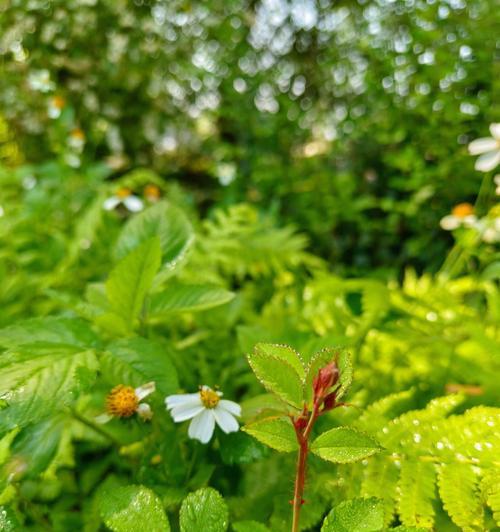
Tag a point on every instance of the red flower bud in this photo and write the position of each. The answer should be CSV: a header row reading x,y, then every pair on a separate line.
x,y
325,379
329,402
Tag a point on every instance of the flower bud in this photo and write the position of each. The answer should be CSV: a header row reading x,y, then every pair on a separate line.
x,y
325,379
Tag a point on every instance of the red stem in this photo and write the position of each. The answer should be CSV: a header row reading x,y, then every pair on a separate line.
x,y
300,475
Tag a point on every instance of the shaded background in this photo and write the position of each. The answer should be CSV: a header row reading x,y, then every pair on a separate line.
x,y
347,119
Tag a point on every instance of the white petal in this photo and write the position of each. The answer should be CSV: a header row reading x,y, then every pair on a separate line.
x,y
144,411
133,203
202,426
103,418
230,406
495,130
450,222
183,412
182,399
471,221
145,390
225,420
482,145
488,161
497,180
111,203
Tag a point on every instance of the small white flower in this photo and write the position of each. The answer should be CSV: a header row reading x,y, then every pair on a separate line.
x,y
205,409
39,80
497,184
488,148
124,197
461,215
125,401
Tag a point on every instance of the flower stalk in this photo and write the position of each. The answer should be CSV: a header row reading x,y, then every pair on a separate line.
x,y
324,399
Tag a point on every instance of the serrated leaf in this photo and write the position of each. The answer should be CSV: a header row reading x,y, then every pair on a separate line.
x,y
136,361
49,333
279,377
164,221
203,511
36,385
355,515
343,445
131,279
276,432
132,508
182,298
283,352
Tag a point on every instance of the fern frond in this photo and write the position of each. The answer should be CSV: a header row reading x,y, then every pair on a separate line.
x,y
458,485
490,488
380,480
416,493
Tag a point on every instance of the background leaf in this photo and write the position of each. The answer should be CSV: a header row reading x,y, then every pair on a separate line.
x,y
204,511
131,279
187,298
131,508
355,515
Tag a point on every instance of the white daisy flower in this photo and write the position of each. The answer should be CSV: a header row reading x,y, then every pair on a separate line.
x,y
125,401
488,148
205,409
124,197
461,215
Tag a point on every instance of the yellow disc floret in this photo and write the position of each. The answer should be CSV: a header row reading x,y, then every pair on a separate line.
x,y
462,210
122,401
209,398
123,192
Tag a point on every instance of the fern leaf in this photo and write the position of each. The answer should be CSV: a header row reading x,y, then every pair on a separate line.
x,y
490,487
381,480
416,493
458,490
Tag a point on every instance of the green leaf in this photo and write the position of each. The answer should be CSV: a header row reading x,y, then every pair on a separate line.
x,y
183,298
164,221
276,432
49,333
355,515
35,385
279,377
131,279
416,493
132,508
249,526
239,448
458,489
204,511
136,361
344,445
8,520
283,352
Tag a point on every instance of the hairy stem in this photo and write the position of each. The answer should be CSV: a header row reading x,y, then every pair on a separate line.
x,y
300,474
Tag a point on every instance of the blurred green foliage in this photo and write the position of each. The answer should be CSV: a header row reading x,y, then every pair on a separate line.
x,y
301,155
348,119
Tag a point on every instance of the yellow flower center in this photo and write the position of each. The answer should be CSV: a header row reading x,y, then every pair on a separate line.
x,y
123,192
209,398
462,210
152,192
58,102
122,401
78,134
